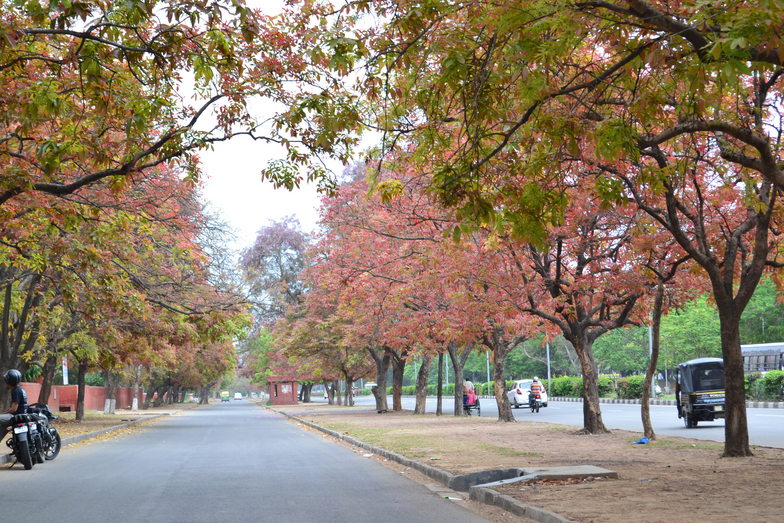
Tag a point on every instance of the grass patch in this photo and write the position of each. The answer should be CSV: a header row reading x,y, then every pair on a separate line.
x,y
401,441
506,451
679,444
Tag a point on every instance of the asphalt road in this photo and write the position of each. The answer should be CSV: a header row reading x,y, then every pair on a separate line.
x,y
231,462
766,426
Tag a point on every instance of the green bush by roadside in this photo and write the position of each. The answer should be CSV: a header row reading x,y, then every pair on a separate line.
x,y
759,387
767,387
630,387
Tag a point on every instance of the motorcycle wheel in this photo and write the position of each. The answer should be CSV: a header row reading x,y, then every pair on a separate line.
x,y
53,449
38,453
23,454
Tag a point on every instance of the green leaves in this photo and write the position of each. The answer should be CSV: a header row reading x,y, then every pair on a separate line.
x,y
283,174
615,139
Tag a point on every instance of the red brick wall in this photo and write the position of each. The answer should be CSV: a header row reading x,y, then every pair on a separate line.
x,y
283,392
94,397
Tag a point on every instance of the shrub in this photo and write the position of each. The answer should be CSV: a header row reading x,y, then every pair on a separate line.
x,y
751,384
607,387
631,387
566,386
772,385
447,390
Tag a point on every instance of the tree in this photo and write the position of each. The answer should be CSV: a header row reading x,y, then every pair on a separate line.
x,y
581,282
96,90
273,267
112,272
657,94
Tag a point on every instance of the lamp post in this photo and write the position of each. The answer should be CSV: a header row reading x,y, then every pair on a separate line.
x,y
549,380
487,358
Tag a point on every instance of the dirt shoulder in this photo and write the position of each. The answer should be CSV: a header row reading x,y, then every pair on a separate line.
x,y
95,421
669,479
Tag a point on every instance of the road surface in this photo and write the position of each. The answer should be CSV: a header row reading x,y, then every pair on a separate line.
x,y
766,426
230,462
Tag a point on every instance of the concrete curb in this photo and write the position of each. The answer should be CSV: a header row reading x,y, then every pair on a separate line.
x,y
477,493
7,458
489,496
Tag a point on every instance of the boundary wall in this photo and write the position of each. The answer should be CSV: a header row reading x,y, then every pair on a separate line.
x,y
63,397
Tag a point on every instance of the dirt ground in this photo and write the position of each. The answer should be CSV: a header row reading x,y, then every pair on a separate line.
x,y
668,480
95,420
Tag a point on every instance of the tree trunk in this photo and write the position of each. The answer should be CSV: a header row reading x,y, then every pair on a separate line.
x,y
330,399
135,388
336,392
308,388
736,432
349,395
497,341
440,385
80,390
458,362
13,326
111,387
499,388
421,384
48,376
380,391
592,414
150,394
205,396
645,410
398,368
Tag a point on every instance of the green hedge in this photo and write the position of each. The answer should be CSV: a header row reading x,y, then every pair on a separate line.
x,y
765,388
630,387
566,386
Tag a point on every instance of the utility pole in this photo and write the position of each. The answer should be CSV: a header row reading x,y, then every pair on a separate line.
x,y
487,356
549,379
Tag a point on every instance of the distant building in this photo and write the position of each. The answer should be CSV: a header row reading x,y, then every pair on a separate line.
x,y
282,390
762,357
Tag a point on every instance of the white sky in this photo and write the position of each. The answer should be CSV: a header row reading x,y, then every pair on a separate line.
x,y
234,190
233,186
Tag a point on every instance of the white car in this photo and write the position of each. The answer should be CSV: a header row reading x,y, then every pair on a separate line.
x,y
237,395
518,394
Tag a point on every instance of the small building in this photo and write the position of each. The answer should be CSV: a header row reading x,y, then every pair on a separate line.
x,y
282,390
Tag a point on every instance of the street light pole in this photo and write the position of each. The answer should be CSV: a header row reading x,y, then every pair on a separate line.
x,y
487,357
549,380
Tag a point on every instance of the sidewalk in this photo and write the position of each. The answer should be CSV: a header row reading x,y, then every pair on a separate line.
x,y
658,481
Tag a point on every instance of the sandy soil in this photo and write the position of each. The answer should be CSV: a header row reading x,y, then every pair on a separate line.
x,y
668,480
96,420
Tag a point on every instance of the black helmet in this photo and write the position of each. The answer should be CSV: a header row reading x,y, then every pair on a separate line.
x,y
12,377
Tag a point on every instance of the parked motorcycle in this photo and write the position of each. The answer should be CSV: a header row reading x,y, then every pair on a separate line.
x,y
33,439
534,401
50,438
